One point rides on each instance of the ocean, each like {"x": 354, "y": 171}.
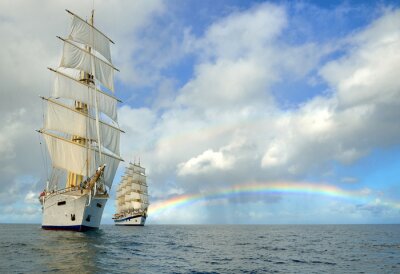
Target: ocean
{"x": 202, "y": 249}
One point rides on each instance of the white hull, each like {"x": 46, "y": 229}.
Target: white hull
{"x": 134, "y": 220}
{"x": 69, "y": 211}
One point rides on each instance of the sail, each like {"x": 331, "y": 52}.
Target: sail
{"x": 84, "y": 33}
{"x": 138, "y": 178}
{"x": 120, "y": 205}
{"x": 117, "y": 206}
{"x": 143, "y": 189}
{"x": 129, "y": 172}
{"x": 67, "y": 155}
{"x": 134, "y": 196}
{"x": 78, "y": 58}
{"x": 109, "y": 172}
{"x": 118, "y": 192}
{"x": 138, "y": 169}
{"x": 67, "y": 87}
{"x": 68, "y": 120}
{"x": 73, "y": 157}
{"x": 127, "y": 198}
{"x": 135, "y": 187}
{"x": 136, "y": 205}
{"x": 123, "y": 191}
{"x": 144, "y": 198}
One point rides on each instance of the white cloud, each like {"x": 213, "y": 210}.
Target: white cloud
{"x": 276, "y": 155}
{"x": 31, "y": 198}
{"x": 368, "y": 74}
{"x": 208, "y": 161}
{"x": 241, "y": 34}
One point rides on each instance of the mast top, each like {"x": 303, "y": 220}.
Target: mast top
{"x": 92, "y": 18}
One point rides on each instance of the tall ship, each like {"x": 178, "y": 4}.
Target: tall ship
{"x": 80, "y": 130}
{"x": 132, "y": 199}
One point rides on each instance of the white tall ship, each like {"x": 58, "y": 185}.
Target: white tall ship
{"x": 132, "y": 199}
{"x": 81, "y": 131}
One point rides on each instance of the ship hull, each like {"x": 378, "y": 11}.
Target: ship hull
{"x": 134, "y": 220}
{"x": 69, "y": 211}
{"x": 80, "y": 228}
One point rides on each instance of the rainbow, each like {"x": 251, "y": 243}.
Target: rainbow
{"x": 297, "y": 188}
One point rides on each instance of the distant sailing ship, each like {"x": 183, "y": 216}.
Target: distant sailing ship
{"x": 81, "y": 131}
{"x": 132, "y": 199}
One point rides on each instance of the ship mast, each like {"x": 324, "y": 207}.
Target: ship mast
{"x": 87, "y": 78}
{"x": 95, "y": 94}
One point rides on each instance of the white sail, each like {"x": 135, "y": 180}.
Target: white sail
{"x": 73, "y": 157}
{"x": 84, "y": 33}
{"x": 118, "y": 192}
{"x": 117, "y": 208}
{"x": 144, "y": 198}
{"x": 67, "y": 120}
{"x": 134, "y": 196}
{"x": 120, "y": 203}
{"x": 135, "y": 187}
{"x": 137, "y": 178}
{"x": 129, "y": 171}
{"x": 70, "y": 88}
{"x": 78, "y": 58}
{"x": 112, "y": 165}
{"x": 123, "y": 191}
{"x": 137, "y": 168}
{"x": 136, "y": 205}
{"x": 67, "y": 155}
{"x": 143, "y": 189}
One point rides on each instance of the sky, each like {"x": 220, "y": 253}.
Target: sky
{"x": 242, "y": 112}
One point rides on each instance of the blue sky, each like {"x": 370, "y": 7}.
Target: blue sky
{"x": 224, "y": 93}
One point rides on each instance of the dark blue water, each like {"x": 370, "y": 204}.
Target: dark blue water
{"x": 203, "y": 248}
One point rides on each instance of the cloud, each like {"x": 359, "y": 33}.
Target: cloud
{"x": 205, "y": 162}
{"x": 31, "y": 198}
{"x": 368, "y": 73}
{"x": 239, "y": 33}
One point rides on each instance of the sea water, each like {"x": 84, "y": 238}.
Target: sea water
{"x": 202, "y": 249}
